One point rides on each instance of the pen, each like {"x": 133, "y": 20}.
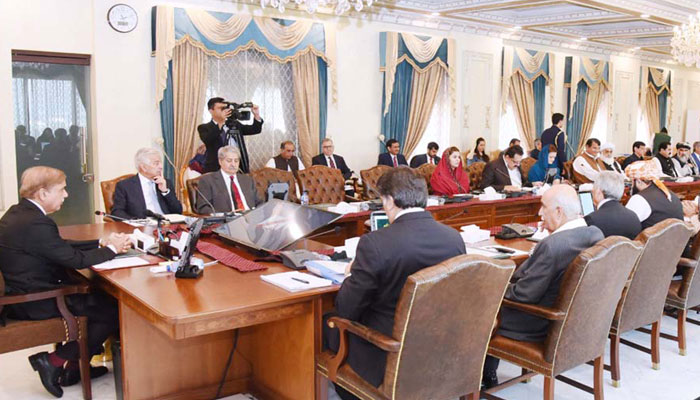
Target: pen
{"x": 300, "y": 280}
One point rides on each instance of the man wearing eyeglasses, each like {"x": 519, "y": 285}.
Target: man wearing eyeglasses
{"x": 329, "y": 159}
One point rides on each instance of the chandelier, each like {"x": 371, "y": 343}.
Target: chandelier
{"x": 340, "y": 6}
{"x": 685, "y": 44}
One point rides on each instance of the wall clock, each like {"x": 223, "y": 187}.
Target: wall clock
{"x": 122, "y": 18}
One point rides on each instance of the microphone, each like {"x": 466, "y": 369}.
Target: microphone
{"x": 114, "y": 217}
{"x": 196, "y": 189}
{"x": 154, "y": 215}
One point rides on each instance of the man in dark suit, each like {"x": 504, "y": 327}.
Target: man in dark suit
{"x": 34, "y": 257}
{"x": 329, "y": 159}
{"x": 385, "y": 258}
{"x": 216, "y": 134}
{"x": 504, "y": 173}
{"x": 147, "y": 190}
{"x": 610, "y": 216}
{"x": 538, "y": 279}
{"x": 638, "y": 151}
{"x": 554, "y": 135}
{"x": 430, "y": 157}
{"x": 226, "y": 190}
{"x": 392, "y": 158}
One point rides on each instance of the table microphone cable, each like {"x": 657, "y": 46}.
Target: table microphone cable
{"x": 228, "y": 363}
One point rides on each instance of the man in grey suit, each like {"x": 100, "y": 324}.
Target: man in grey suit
{"x": 226, "y": 190}
{"x": 538, "y": 279}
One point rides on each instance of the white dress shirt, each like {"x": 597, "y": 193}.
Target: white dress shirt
{"x": 227, "y": 180}
{"x": 515, "y": 178}
{"x": 573, "y": 224}
{"x": 584, "y": 168}
{"x": 408, "y": 211}
{"x": 271, "y": 164}
{"x": 150, "y": 194}
{"x": 640, "y": 206}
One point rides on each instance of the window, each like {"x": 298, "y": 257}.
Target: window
{"x": 509, "y": 129}
{"x": 600, "y": 126}
{"x": 643, "y": 128}
{"x": 438, "y": 129}
{"x": 250, "y": 76}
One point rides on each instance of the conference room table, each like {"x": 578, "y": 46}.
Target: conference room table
{"x": 176, "y": 334}
{"x": 485, "y": 214}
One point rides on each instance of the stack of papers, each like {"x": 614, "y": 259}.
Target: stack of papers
{"x": 333, "y": 270}
{"x": 175, "y": 218}
{"x": 117, "y": 263}
{"x": 472, "y": 234}
{"x": 295, "y": 281}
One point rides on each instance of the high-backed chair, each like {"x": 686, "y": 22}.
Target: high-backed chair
{"x": 187, "y": 205}
{"x": 265, "y": 176}
{"x": 580, "y": 318}
{"x": 620, "y": 159}
{"x": 642, "y": 300}
{"x": 369, "y": 180}
{"x": 192, "y": 185}
{"x": 442, "y": 326}
{"x": 18, "y": 335}
{"x": 323, "y": 184}
{"x": 526, "y": 164}
{"x": 684, "y": 295}
{"x": 569, "y": 170}
{"x": 108, "y": 188}
{"x": 475, "y": 170}
{"x": 426, "y": 171}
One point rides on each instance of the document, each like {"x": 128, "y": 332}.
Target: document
{"x": 333, "y": 270}
{"x": 120, "y": 263}
{"x": 295, "y": 281}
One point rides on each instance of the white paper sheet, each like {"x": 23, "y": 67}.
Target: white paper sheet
{"x": 121, "y": 263}
{"x": 284, "y": 280}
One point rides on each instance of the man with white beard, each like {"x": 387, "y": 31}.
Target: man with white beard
{"x": 606, "y": 155}
{"x": 681, "y": 161}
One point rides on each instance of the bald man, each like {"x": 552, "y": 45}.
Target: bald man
{"x": 538, "y": 279}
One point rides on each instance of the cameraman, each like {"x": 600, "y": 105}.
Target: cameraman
{"x": 217, "y": 133}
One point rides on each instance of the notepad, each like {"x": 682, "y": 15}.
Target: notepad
{"x": 301, "y": 282}
{"x": 117, "y": 263}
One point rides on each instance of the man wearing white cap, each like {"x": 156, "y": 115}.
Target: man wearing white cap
{"x": 681, "y": 161}
{"x": 607, "y": 150}
{"x": 651, "y": 200}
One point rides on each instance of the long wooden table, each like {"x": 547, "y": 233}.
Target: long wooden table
{"x": 176, "y": 334}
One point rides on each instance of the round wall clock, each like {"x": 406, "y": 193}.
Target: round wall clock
{"x": 122, "y": 18}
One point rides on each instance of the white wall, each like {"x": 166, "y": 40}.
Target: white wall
{"x": 125, "y": 116}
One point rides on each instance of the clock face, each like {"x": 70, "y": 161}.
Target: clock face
{"x": 122, "y": 18}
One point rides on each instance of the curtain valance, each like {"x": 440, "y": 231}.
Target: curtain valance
{"x": 592, "y": 72}
{"x": 422, "y": 53}
{"x": 530, "y": 64}
{"x": 224, "y": 34}
{"x": 655, "y": 98}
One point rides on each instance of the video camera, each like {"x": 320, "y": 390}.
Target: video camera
{"x": 242, "y": 113}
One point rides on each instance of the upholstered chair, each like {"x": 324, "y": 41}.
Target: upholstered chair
{"x": 263, "y": 177}
{"x": 369, "y": 180}
{"x": 323, "y": 184}
{"x": 108, "y": 188}
{"x": 426, "y": 171}
{"x": 475, "y": 170}
{"x": 684, "y": 295}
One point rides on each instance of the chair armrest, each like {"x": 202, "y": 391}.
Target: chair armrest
{"x": 43, "y": 295}
{"x": 687, "y": 262}
{"x": 539, "y": 311}
{"x": 344, "y": 326}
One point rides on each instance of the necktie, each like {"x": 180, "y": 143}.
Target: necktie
{"x": 238, "y": 203}
{"x": 332, "y": 163}
{"x": 395, "y": 163}
{"x": 431, "y": 160}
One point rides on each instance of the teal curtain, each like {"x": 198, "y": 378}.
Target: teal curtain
{"x": 322, "y": 99}
{"x": 575, "y": 120}
{"x": 395, "y": 122}
{"x": 663, "y": 108}
{"x": 167, "y": 124}
{"x": 538, "y": 88}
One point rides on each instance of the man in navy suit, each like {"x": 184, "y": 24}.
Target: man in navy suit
{"x": 611, "y": 216}
{"x": 147, "y": 190}
{"x": 329, "y": 159}
{"x": 392, "y": 158}
{"x": 430, "y": 157}
{"x": 554, "y": 135}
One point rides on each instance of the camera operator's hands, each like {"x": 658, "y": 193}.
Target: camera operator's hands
{"x": 161, "y": 183}
{"x": 256, "y": 112}
{"x": 227, "y": 113}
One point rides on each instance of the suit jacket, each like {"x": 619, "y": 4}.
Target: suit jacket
{"x": 130, "y": 203}
{"x": 421, "y": 159}
{"x": 549, "y": 136}
{"x": 214, "y": 138}
{"x": 629, "y": 160}
{"x": 614, "y": 219}
{"x": 385, "y": 258}
{"x": 385, "y": 159}
{"x": 496, "y": 175}
{"x": 37, "y": 259}
{"x": 339, "y": 163}
{"x": 538, "y": 279}
{"x": 216, "y": 190}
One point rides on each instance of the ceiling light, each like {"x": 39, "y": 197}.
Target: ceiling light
{"x": 517, "y": 28}
{"x": 635, "y": 48}
{"x": 435, "y": 14}
{"x": 645, "y": 16}
{"x": 583, "y": 39}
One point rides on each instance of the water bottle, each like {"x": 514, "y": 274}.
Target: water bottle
{"x": 305, "y": 198}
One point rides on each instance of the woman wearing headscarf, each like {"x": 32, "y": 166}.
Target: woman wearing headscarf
{"x": 546, "y": 169}
{"x": 449, "y": 177}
